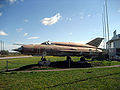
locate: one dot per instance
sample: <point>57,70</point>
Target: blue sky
<point>36,21</point>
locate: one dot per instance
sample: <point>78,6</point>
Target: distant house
<point>114,45</point>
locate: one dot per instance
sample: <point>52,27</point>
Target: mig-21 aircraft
<point>62,48</point>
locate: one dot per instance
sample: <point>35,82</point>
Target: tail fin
<point>95,42</point>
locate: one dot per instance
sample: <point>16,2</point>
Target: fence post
<point>6,65</point>
<point>69,63</point>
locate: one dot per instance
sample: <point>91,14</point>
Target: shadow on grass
<point>66,64</point>
<point>57,64</point>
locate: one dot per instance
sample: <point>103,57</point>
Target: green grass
<point>81,79</point>
<point>19,62</point>
<point>105,63</point>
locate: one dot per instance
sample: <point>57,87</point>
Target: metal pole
<point>107,27</point>
<point>1,47</point>
<point>104,30</point>
<point>107,18</point>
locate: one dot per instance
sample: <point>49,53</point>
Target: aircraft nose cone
<point>19,49</point>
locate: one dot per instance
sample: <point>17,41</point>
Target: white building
<point>114,45</point>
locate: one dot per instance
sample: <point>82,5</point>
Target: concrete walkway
<point>15,57</point>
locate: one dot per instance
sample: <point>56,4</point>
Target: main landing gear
<point>43,58</point>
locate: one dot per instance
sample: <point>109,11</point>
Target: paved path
<point>68,69</point>
<point>15,57</point>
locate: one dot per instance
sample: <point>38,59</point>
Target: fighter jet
<point>62,48</point>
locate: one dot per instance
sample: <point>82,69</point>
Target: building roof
<point>116,37</point>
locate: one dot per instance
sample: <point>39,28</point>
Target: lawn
<point>19,62</point>
<point>81,79</point>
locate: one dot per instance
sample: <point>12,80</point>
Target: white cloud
<point>26,20</point>
<point>33,38</point>
<point>25,34</point>
<point>15,1</point>
<point>12,1</point>
<point>19,29</point>
<point>2,33</point>
<point>89,15</point>
<point>52,20</point>
<point>1,13</point>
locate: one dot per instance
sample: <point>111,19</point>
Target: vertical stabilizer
<point>95,42</point>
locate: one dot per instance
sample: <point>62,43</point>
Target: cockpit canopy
<point>46,43</point>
